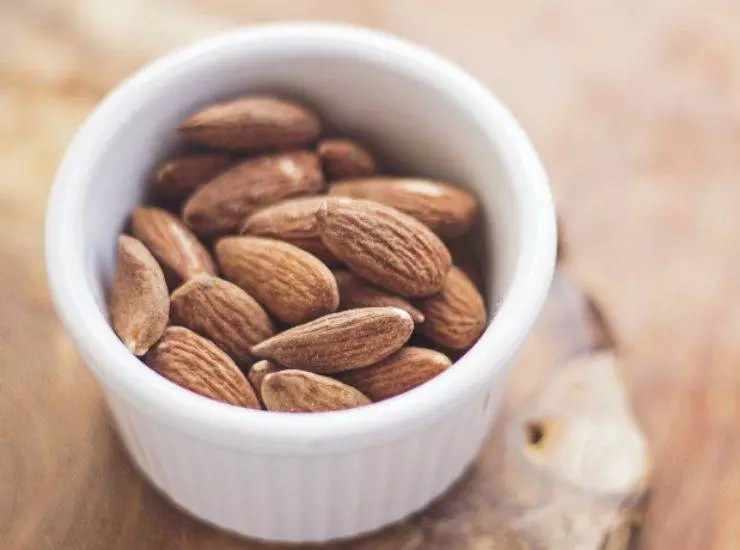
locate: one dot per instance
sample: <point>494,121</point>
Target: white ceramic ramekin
<point>323,476</point>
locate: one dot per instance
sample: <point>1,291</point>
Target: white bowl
<point>315,477</point>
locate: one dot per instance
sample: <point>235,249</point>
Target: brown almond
<point>356,293</point>
<point>340,341</point>
<point>419,340</point>
<point>469,254</point>
<point>223,313</point>
<point>257,374</point>
<point>446,210</point>
<point>197,364</point>
<point>176,178</point>
<point>139,304</point>
<point>384,246</point>
<point>253,123</point>
<point>178,251</point>
<point>289,282</point>
<point>294,221</point>
<point>456,316</point>
<point>316,247</point>
<point>222,204</point>
<point>403,371</point>
<point>344,158</point>
<point>299,391</point>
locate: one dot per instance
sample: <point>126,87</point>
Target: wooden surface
<point>634,107</point>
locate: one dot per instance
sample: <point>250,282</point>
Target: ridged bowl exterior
<point>307,498</point>
<point>317,477</point>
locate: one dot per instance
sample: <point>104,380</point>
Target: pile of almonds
<point>287,297</point>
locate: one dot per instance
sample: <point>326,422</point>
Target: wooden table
<point>634,107</point>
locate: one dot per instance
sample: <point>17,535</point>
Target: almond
<point>340,341</point>
<point>177,249</point>
<point>294,221</point>
<point>290,283</point>
<point>220,206</point>
<point>316,247</point>
<point>252,123</point>
<point>384,246</point>
<point>176,178</point>
<point>446,210</point>
<point>399,373</point>
<point>299,391</point>
<point>344,158</point>
<point>197,364</point>
<point>257,374</point>
<point>139,304</point>
<point>418,340</point>
<point>356,293</point>
<point>469,254</point>
<point>456,316</point>
<point>223,313</point>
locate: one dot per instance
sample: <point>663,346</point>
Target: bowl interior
<point>421,114</point>
<point>413,122</point>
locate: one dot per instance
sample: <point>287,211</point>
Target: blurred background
<point>634,107</point>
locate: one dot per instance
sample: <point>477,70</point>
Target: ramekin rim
<point>131,380</point>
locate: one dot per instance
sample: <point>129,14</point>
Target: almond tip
<point>136,348</point>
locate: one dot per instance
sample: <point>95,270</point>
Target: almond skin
<point>197,364</point>
<point>176,178</point>
<point>223,313</point>
<point>290,283</point>
<point>175,247</point>
<point>455,317</point>
<point>257,374</point>
<point>356,293</point>
<point>469,254</point>
<point>403,371</point>
<point>294,221</point>
<point>139,304</point>
<point>384,246</point>
<point>340,341</point>
<point>344,158</point>
<point>252,123</point>
<point>446,210</point>
<point>222,204</point>
<point>418,340</point>
<point>299,391</point>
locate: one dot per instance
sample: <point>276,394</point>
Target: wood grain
<point>634,108</point>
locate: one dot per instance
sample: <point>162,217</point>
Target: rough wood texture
<point>572,464</point>
<point>634,109</point>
